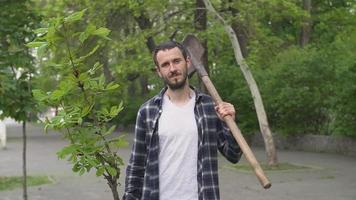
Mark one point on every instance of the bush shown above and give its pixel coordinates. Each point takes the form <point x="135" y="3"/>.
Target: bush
<point x="299" y="89"/>
<point x="344" y="105"/>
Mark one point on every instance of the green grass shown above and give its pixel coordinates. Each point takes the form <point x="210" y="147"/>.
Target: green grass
<point x="265" y="167"/>
<point x="12" y="182"/>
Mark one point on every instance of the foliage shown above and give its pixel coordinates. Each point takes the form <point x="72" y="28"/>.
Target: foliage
<point x="84" y="114"/>
<point x="345" y="90"/>
<point x="299" y="92"/>
<point x="306" y="90"/>
<point x="16" y="66"/>
<point x="9" y="183"/>
<point x="322" y="96"/>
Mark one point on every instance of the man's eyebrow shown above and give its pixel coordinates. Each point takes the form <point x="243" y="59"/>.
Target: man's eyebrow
<point x="164" y="63"/>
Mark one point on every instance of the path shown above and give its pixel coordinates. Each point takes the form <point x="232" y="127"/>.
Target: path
<point x="332" y="177"/>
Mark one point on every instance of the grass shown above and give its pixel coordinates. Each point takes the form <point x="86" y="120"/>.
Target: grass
<point x="12" y="182"/>
<point x="279" y="167"/>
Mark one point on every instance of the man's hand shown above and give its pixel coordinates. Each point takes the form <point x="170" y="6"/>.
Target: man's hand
<point x="224" y="109"/>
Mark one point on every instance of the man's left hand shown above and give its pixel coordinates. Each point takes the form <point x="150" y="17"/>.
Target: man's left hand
<point x="224" y="109"/>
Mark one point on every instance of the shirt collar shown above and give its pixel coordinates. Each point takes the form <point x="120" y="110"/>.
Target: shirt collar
<point x="159" y="97"/>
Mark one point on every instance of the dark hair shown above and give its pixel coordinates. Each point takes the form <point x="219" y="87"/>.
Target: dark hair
<point x="169" y="45"/>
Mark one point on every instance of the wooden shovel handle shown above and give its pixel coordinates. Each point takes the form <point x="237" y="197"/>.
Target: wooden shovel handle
<point x="238" y="136"/>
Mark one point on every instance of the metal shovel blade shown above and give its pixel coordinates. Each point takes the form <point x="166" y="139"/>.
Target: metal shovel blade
<point x="195" y="50"/>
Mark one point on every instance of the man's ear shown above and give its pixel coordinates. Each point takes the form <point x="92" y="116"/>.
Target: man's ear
<point x="189" y="62"/>
<point x="158" y="72"/>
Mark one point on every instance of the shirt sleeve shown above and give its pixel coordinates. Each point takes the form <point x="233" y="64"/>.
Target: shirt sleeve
<point x="227" y="144"/>
<point x="135" y="170"/>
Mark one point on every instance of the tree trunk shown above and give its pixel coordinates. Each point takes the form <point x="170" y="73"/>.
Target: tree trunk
<point x="240" y="30"/>
<point x="24" y="168"/>
<point x="261" y="113"/>
<point x="144" y="23"/>
<point x="114" y="191"/>
<point x="200" y="24"/>
<point x="105" y="62"/>
<point x="307" y="23"/>
<point x="112" y="182"/>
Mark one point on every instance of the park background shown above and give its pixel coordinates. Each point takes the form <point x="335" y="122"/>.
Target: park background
<point x="301" y="54"/>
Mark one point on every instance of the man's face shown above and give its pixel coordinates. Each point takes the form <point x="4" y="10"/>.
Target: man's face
<point x="172" y="68"/>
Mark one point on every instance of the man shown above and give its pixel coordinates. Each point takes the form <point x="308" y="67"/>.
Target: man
<point x="177" y="135"/>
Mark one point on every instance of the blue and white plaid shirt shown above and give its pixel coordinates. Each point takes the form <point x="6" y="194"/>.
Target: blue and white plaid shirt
<point x="142" y="173"/>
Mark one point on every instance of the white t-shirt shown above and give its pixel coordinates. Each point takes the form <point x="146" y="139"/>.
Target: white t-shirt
<point x="178" y="138"/>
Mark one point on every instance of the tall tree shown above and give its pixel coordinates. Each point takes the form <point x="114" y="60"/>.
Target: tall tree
<point x="261" y="113"/>
<point x="239" y="27"/>
<point x="307" y="24"/>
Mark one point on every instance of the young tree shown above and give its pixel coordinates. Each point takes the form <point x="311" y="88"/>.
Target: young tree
<point x="84" y="113"/>
<point x="17" y="68"/>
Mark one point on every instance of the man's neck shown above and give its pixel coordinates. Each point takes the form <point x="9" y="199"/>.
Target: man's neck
<point x="179" y="96"/>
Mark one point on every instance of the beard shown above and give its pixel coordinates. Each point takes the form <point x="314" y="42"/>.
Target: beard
<point x="174" y="81"/>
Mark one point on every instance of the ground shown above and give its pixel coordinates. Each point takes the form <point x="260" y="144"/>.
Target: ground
<point x="331" y="176"/>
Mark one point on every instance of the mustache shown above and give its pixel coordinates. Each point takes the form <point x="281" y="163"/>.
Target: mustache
<point x="174" y="73"/>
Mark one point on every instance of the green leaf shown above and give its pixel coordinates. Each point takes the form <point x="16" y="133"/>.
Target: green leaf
<point x="112" y="171"/>
<point x="47" y="126"/>
<point x="121" y="162"/>
<point x="89" y="30"/>
<point x="57" y="94"/>
<point x="86" y="109"/>
<point x="121" y="142"/>
<point x="112" y="86"/>
<point x="91" y="162"/>
<point x="82" y="171"/>
<point x="82" y="58"/>
<point x="35" y="44"/>
<point x="100" y="171"/>
<point x="76" y="167"/>
<point x="75" y="16"/>
<point x="102" y="32"/>
<point x="80" y="120"/>
<point x="111" y="130"/>
<point x="97" y="66"/>
<point x="66" y="150"/>
<point x="42" y="49"/>
<point x="39" y="95"/>
<point x="41" y="30"/>
<point x="114" y="110"/>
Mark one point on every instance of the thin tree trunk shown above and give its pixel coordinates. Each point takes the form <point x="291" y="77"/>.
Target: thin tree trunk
<point x="114" y="191"/>
<point x="105" y="61"/>
<point x="307" y="23"/>
<point x="112" y="182"/>
<point x="240" y="31"/>
<point x="200" y="24"/>
<point x="24" y="168"/>
<point x="144" y="23"/>
<point x="257" y="99"/>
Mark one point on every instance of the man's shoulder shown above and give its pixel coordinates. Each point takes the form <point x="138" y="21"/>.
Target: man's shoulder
<point x="205" y="98"/>
<point x="152" y="103"/>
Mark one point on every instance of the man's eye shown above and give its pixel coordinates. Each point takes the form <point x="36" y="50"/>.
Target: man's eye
<point x="164" y="65"/>
<point x="176" y="61"/>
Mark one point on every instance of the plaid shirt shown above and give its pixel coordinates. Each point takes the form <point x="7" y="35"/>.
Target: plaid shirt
<point x="142" y="173"/>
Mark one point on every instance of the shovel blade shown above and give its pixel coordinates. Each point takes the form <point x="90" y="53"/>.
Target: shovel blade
<point x="195" y="50"/>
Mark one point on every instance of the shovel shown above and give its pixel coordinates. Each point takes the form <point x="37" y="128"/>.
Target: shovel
<point x="196" y="50"/>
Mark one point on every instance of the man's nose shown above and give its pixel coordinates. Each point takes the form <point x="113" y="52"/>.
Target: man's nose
<point x="172" y="67"/>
